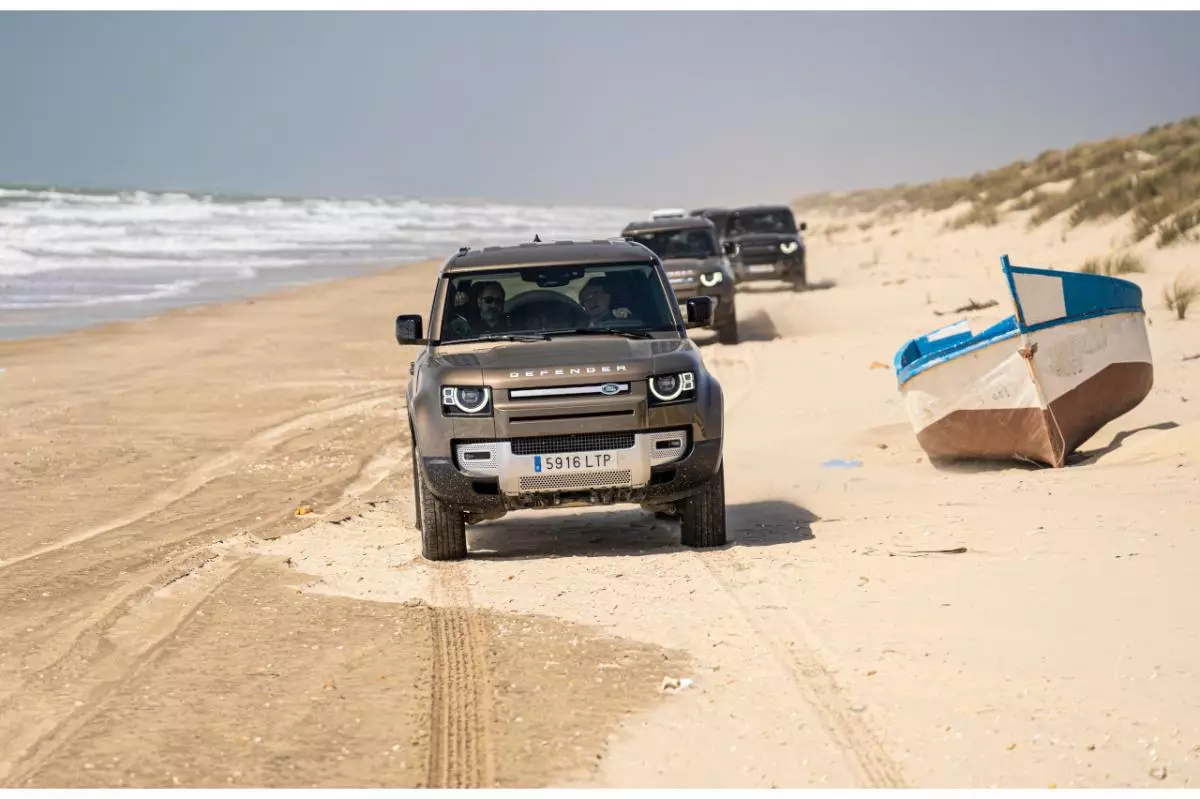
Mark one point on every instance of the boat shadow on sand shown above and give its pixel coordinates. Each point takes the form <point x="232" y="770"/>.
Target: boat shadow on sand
<point x="629" y="532"/>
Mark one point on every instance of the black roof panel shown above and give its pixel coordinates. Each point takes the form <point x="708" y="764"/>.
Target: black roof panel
<point x="615" y="250"/>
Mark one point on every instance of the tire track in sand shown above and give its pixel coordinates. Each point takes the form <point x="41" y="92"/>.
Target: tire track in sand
<point x="39" y="721"/>
<point x="795" y="646"/>
<point x="254" y="448"/>
<point x="60" y="632"/>
<point x="797" y="649"/>
<point x="461" y="747"/>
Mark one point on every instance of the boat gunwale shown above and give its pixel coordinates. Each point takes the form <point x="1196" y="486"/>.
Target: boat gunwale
<point x="938" y="357"/>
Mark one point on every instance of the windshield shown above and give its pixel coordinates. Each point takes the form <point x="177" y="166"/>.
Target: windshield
<point x="693" y="243"/>
<point x="556" y="300"/>
<point x="777" y="220"/>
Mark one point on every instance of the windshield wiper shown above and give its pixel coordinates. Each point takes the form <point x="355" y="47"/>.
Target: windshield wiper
<point x="599" y="331"/>
<point x="510" y="337"/>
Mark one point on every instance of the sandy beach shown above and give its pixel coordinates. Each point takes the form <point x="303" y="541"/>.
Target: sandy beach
<point x="209" y="574"/>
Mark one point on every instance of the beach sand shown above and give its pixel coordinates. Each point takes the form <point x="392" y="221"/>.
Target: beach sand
<point x="209" y="574"/>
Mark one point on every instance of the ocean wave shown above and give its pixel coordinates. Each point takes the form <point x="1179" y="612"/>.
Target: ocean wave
<point x="46" y="231"/>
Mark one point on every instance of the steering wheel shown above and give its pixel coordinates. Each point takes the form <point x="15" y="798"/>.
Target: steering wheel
<point x="531" y="304"/>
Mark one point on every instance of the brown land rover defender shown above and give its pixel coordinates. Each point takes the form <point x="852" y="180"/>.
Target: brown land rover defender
<point x="561" y="374"/>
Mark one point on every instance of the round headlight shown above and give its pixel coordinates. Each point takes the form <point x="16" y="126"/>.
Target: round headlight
<point x="789" y="247"/>
<point x="471" y="397"/>
<point x="666" y="387"/>
<point x="711" y="279"/>
<point x="468" y="399"/>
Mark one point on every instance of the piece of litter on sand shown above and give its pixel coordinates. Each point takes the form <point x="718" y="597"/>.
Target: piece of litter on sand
<point x="916" y="553"/>
<point x="303" y="510"/>
<point x="673" y="684"/>
<point x="1159" y="772"/>
<point x="971" y="305"/>
<point x="878" y="365"/>
<point x="838" y="463"/>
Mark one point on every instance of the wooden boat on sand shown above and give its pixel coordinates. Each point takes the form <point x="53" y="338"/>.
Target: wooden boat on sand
<point x="1038" y="384"/>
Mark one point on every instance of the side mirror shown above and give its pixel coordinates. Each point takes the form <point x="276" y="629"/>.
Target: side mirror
<point x="699" y="311"/>
<point x="730" y="248"/>
<point x="803" y="226"/>
<point x="408" y="329"/>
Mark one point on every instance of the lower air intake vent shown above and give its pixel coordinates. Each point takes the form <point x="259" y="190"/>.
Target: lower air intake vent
<point x="579" y="442"/>
<point x="566" y="480"/>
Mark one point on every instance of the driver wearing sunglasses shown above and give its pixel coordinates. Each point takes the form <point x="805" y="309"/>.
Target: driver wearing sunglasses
<point x="490" y="300"/>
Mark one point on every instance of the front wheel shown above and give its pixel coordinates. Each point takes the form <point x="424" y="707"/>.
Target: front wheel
<point x="727" y="329"/>
<point x="416" y="489"/>
<point x="443" y="526"/>
<point x="702" y="515"/>
<point x="800" y="279"/>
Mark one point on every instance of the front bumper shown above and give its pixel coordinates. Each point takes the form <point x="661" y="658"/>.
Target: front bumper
<point x="661" y="467"/>
<point x="773" y="267"/>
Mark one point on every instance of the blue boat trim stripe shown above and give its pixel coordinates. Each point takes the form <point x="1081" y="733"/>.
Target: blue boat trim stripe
<point x="936" y="358"/>
<point x="1073" y="319"/>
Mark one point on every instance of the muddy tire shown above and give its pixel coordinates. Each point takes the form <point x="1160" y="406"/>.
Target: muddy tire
<point x="727" y="330"/>
<point x="416" y="475"/>
<point x="800" y="279"/>
<point x="416" y="489"/>
<point x="443" y="527"/>
<point x="702" y="515"/>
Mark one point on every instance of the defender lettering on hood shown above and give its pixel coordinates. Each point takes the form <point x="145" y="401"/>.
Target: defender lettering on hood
<point x="579" y="370"/>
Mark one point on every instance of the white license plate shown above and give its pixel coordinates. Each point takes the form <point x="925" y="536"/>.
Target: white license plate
<point x="575" y="462"/>
<point x="763" y="268"/>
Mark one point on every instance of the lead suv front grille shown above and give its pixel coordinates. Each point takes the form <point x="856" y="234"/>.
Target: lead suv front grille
<point x="576" y="442"/>
<point x="762" y="255"/>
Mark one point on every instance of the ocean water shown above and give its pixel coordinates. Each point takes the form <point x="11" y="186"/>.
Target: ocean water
<point x="69" y="258"/>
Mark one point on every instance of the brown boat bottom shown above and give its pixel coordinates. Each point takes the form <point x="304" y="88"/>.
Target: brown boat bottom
<point x="1031" y="433"/>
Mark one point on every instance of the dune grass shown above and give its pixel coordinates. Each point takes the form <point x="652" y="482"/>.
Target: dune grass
<point x="1154" y="176"/>
<point x="979" y="214"/>
<point x="1179" y="295"/>
<point x="1123" y="264"/>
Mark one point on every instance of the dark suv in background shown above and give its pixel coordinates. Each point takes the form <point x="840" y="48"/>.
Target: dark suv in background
<point x="766" y="240"/>
<point x="695" y="264"/>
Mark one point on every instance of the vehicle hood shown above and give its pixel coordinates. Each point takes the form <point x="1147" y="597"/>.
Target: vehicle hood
<point x="571" y="360"/>
<point x="690" y="267"/>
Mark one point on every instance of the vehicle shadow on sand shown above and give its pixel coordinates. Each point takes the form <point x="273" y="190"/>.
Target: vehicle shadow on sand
<point x="629" y="532"/>
<point x="757" y="326"/>
<point x="782" y="286"/>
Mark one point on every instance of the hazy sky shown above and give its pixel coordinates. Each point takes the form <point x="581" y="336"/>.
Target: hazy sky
<point x="639" y="108"/>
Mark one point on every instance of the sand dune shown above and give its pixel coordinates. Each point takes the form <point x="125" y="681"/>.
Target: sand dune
<point x="845" y="637"/>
